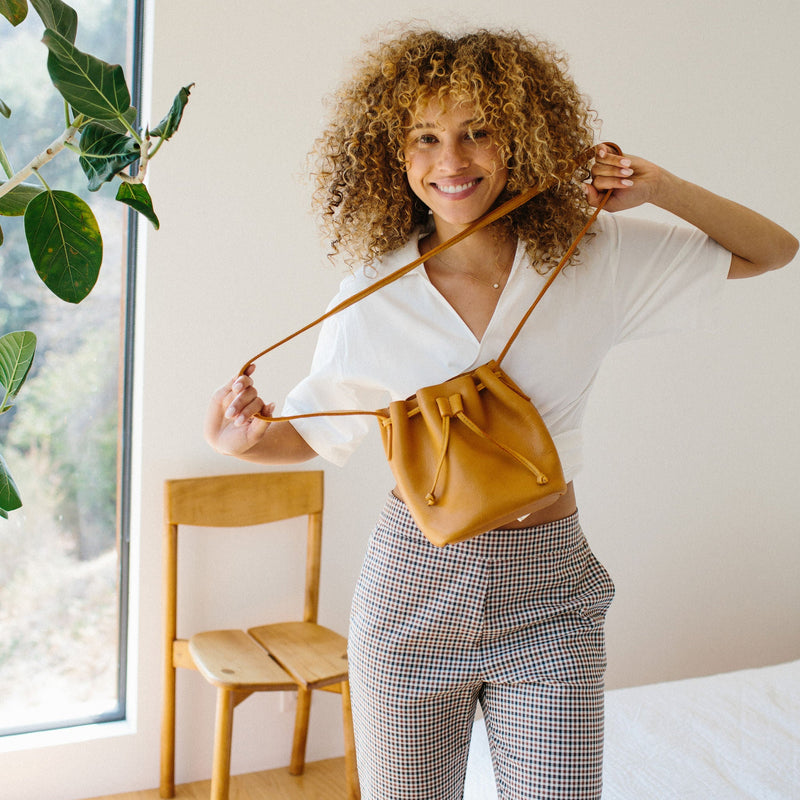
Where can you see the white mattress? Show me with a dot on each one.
(733, 736)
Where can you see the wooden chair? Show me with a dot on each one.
(292, 656)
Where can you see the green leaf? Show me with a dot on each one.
(104, 153)
(57, 16)
(65, 243)
(9, 494)
(91, 86)
(138, 198)
(16, 201)
(170, 123)
(14, 10)
(16, 356)
(116, 124)
(4, 109)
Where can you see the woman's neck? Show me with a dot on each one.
(484, 254)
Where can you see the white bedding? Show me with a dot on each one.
(734, 736)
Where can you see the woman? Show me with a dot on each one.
(430, 133)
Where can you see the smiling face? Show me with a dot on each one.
(452, 163)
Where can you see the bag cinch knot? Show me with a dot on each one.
(453, 406)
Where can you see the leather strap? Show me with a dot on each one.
(485, 220)
(555, 272)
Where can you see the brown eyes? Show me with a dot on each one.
(431, 139)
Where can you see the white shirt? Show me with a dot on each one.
(634, 279)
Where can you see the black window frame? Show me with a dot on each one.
(128, 309)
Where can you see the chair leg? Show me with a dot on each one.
(167, 785)
(221, 773)
(350, 764)
(298, 762)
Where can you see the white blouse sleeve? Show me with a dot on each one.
(329, 387)
(668, 278)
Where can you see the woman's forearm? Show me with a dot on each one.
(757, 244)
(281, 445)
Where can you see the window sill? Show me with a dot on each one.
(66, 736)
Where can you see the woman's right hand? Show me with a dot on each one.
(231, 426)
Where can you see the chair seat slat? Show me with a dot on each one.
(230, 659)
(312, 654)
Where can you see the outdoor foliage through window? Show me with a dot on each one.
(60, 554)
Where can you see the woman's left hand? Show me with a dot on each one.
(756, 243)
(632, 181)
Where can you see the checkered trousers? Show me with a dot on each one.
(512, 620)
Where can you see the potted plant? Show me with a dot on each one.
(62, 233)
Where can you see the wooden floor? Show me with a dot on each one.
(323, 780)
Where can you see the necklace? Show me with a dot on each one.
(495, 284)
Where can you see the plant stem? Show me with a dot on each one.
(50, 152)
(5, 163)
(133, 132)
(42, 180)
(158, 145)
(144, 160)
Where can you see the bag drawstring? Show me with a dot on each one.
(445, 407)
(453, 406)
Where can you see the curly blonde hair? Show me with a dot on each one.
(520, 90)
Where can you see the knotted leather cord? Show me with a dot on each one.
(453, 406)
(488, 218)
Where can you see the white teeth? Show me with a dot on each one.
(462, 187)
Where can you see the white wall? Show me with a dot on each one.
(688, 495)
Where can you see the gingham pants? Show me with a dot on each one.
(510, 619)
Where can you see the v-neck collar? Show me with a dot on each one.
(442, 300)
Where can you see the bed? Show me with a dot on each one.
(725, 737)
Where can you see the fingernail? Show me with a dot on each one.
(626, 162)
(627, 183)
(230, 411)
(626, 171)
(601, 152)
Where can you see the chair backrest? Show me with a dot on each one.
(232, 501)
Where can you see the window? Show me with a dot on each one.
(63, 555)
